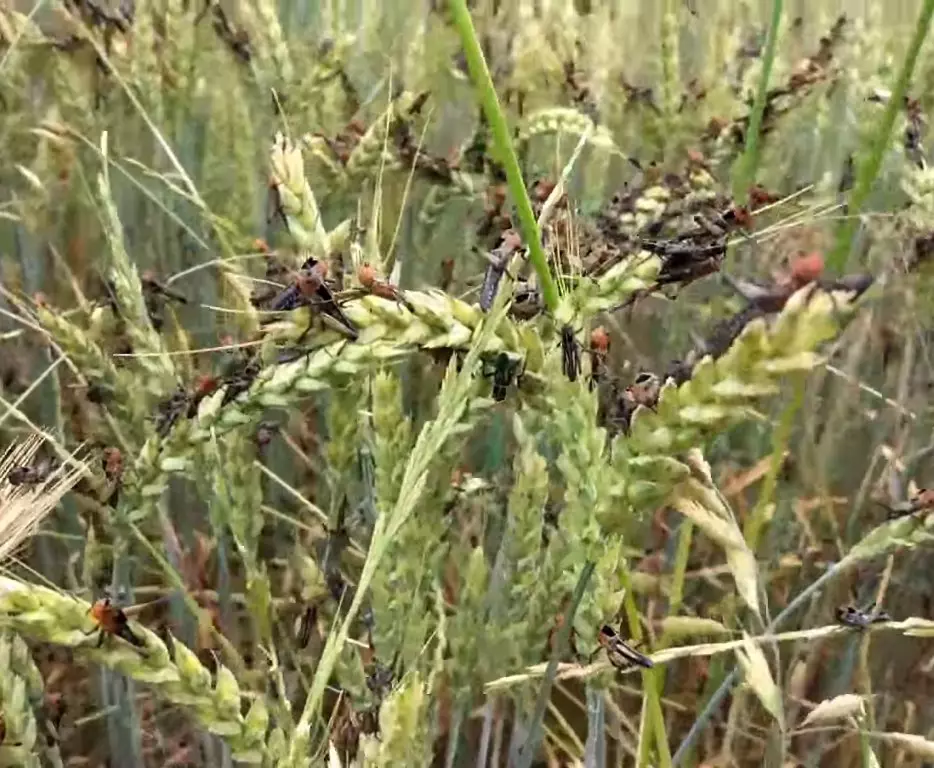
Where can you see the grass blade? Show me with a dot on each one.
(745, 171)
(527, 755)
(486, 91)
(869, 168)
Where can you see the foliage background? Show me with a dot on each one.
(465, 592)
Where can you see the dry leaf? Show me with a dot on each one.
(836, 708)
(917, 745)
(758, 676)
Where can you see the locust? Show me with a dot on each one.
(851, 616)
(504, 369)
(112, 621)
(509, 242)
(621, 654)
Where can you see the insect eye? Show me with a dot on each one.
(607, 631)
(644, 378)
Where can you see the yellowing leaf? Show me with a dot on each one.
(758, 676)
(691, 626)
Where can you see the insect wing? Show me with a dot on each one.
(623, 657)
(570, 354)
(852, 617)
(492, 277)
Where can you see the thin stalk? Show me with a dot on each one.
(749, 162)
(654, 720)
(676, 592)
(480, 74)
(780, 440)
(595, 751)
(527, 755)
(713, 705)
(489, 712)
(869, 168)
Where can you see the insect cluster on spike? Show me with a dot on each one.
(32, 476)
(309, 288)
(618, 412)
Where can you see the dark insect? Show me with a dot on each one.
(381, 677)
(557, 624)
(475, 155)
(447, 274)
(153, 284)
(759, 197)
(237, 40)
(346, 727)
(510, 241)
(526, 302)
(580, 93)
(496, 219)
(155, 294)
(310, 289)
(570, 354)
(505, 370)
(366, 275)
(112, 462)
(98, 393)
(169, 411)
(111, 620)
(265, 432)
(310, 276)
(914, 130)
(337, 541)
(307, 625)
(34, 475)
(621, 655)
(645, 389)
(618, 407)
(379, 680)
(240, 380)
(274, 209)
(643, 96)
(922, 501)
(853, 617)
(165, 635)
(204, 385)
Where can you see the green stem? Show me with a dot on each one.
(651, 685)
(676, 593)
(544, 694)
(480, 75)
(782, 436)
(747, 164)
(869, 168)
